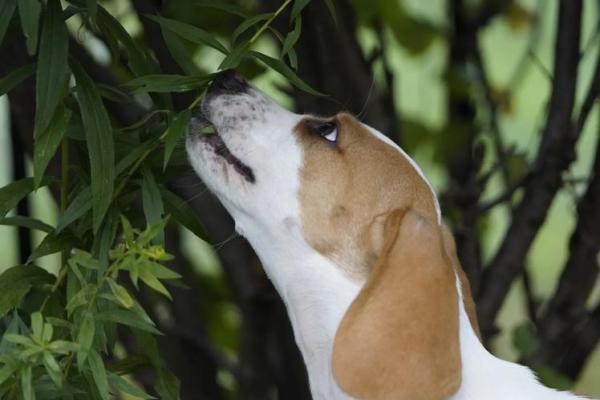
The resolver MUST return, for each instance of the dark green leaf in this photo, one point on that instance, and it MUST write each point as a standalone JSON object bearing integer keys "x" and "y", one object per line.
{"x": 152, "y": 202}
{"x": 120, "y": 293}
{"x": 99, "y": 143}
{"x": 331, "y": 7}
{"x": 37, "y": 324}
{"x": 174, "y": 133}
{"x": 234, "y": 58}
{"x": 167, "y": 83}
{"x": 114, "y": 94}
{"x": 189, "y": 32}
{"x": 128, "y": 318}
{"x": 47, "y": 142}
{"x": 53, "y": 369}
{"x": 167, "y": 386}
{"x": 284, "y": 70}
{"x": 247, "y": 24}
{"x": 134, "y": 155}
{"x": 6, "y": 371}
{"x": 553, "y": 378}
{"x": 85, "y": 259}
{"x": 292, "y": 37}
{"x": 29, "y": 10}
{"x": 52, "y": 69}
{"x": 14, "y": 77}
{"x": 221, "y": 5}
{"x": 124, "y": 386}
{"x": 15, "y": 283}
{"x": 160, "y": 271}
{"x": 183, "y": 213}
{"x": 179, "y": 52}
{"x": 52, "y": 243}
{"x": 85, "y": 337}
{"x": 297, "y": 8}
{"x": 81, "y": 204}
{"x": 99, "y": 373}
{"x": 7, "y": 9}
{"x": 92, "y": 8}
{"x": 26, "y": 222}
{"x": 11, "y": 194}
{"x": 525, "y": 340}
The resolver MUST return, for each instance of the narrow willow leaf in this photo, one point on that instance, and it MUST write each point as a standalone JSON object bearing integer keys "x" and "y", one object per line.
{"x": 7, "y": 9}
{"x": 105, "y": 238}
{"x": 14, "y": 288}
{"x": 174, "y": 133}
{"x": 189, "y": 32}
{"x": 247, "y": 24}
{"x": 52, "y": 68}
{"x": 85, "y": 337}
{"x": 179, "y": 52}
{"x": 152, "y": 202}
{"x": 99, "y": 374}
{"x": 297, "y": 8}
{"x": 53, "y": 369}
{"x": 11, "y": 194}
{"x": 47, "y": 142}
{"x": 331, "y": 7}
{"x": 167, "y": 83}
{"x": 125, "y": 387}
{"x": 81, "y": 204}
{"x": 85, "y": 259}
{"x": 99, "y": 143}
{"x": 14, "y": 77}
{"x": 234, "y": 58}
{"x": 114, "y": 94}
{"x": 139, "y": 63}
{"x": 292, "y": 37}
{"x": 128, "y": 318}
{"x": 286, "y": 71}
{"x": 26, "y": 222}
{"x": 92, "y": 8}
{"x": 29, "y": 10}
{"x": 27, "y": 384}
{"x": 183, "y": 213}
{"x": 120, "y": 293}
{"x": 62, "y": 346}
{"x": 37, "y": 324}
{"x": 132, "y": 156}
{"x": 160, "y": 271}
{"x": 52, "y": 243}
{"x": 153, "y": 282}
{"x": 230, "y": 8}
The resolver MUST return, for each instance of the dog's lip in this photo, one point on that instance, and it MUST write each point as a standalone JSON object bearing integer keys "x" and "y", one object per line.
{"x": 200, "y": 122}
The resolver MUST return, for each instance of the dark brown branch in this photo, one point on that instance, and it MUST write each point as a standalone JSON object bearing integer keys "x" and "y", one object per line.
{"x": 555, "y": 154}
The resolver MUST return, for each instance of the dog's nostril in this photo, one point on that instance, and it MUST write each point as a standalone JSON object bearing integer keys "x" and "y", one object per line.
{"x": 228, "y": 81}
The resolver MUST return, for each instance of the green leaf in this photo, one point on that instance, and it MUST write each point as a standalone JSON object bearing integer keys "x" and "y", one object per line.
{"x": 179, "y": 52}
{"x": 152, "y": 202}
{"x": 85, "y": 337}
{"x": 120, "y": 293}
{"x": 29, "y": 10}
{"x": 234, "y": 58}
{"x": 78, "y": 207}
{"x": 153, "y": 282}
{"x": 167, "y": 83}
{"x": 297, "y": 8}
{"x": 99, "y": 143}
{"x": 82, "y": 297}
{"x": 189, "y": 32}
{"x": 52, "y": 69}
{"x": 52, "y": 243}
{"x": 124, "y": 386}
{"x": 175, "y": 132}
{"x": 7, "y": 9}
{"x": 63, "y": 346}
{"x": 85, "y": 259}
{"x": 37, "y": 324}
{"x": 286, "y": 71}
{"x": 331, "y": 7}
{"x": 133, "y": 155}
{"x": 292, "y": 37}
{"x": 525, "y": 340}
{"x": 26, "y": 222}
{"x": 53, "y": 369}
{"x": 553, "y": 378}
{"x": 11, "y": 194}
{"x": 92, "y": 8}
{"x": 183, "y": 213}
{"x": 6, "y": 371}
{"x": 230, "y": 8}
{"x": 15, "y": 283}
{"x": 47, "y": 142}
{"x": 16, "y": 76}
{"x": 114, "y": 94}
{"x": 26, "y": 383}
{"x": 128, "y": 318}
{"x": 99, "y": 374}
{"x": 247, "y": 24}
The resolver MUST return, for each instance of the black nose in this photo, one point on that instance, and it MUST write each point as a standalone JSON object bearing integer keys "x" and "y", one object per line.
{"x": 228, "y": 81}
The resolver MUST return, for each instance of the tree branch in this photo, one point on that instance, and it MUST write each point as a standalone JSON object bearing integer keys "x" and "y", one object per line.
{"x": 555, "y": 154}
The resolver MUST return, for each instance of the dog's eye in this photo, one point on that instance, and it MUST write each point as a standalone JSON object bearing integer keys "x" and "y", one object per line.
{"x": 327, "y": 130}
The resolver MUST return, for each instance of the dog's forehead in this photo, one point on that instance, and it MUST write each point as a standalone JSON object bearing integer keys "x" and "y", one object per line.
{"x": 348, "y": 187}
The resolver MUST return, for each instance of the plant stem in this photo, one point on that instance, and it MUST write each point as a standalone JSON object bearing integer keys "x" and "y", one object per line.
{"x": 268, "y": 22}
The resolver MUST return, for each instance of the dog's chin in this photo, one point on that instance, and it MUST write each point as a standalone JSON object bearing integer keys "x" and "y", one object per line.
{"x": 202, "y": 130}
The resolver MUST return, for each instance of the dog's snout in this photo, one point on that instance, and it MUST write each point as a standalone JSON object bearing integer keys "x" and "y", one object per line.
{"x": 228, "y": 81}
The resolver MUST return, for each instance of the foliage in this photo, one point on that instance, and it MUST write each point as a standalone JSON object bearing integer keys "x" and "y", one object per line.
{"x": 61, "y": 331}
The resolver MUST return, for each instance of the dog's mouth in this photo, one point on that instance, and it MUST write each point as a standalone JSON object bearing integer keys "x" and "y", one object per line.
{"x": 206, "y": 132}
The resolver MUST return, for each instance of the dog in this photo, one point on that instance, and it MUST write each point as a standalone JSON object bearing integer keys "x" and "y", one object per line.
{"x": 350, "y": 232}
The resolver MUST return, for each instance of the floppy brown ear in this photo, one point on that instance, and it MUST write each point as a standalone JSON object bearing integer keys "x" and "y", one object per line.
{"x": 399, "y": 338}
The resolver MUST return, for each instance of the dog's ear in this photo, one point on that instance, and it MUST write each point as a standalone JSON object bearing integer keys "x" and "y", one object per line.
{"x": 399, "y": 339}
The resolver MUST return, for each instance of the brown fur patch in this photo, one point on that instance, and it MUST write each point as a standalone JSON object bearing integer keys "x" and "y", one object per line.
{"x": 399, "y": 338}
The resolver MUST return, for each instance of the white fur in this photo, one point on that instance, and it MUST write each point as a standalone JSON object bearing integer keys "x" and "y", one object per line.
{"x": 315, "y": 291}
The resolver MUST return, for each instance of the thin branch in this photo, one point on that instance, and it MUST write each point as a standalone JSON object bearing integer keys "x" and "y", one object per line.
{"x": 555, "y": 154}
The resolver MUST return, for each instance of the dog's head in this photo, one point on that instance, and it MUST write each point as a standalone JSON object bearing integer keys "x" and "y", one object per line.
{"x": 356, "y": 199}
